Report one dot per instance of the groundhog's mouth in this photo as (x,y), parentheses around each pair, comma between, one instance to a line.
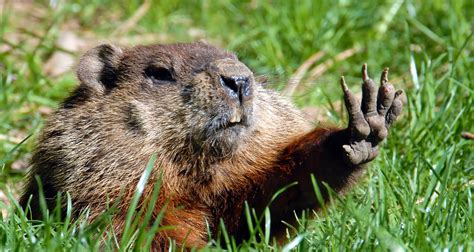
(221,136)
(230,121)
(226,124)
(233,125)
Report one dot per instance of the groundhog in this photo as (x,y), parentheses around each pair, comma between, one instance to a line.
(220,140)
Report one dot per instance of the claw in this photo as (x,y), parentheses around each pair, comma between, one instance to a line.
(359,126)
(398,93)
(359,152)
(349,151)
(351,156)
(384,77)
(369,94)
(386,94)
(343,84)
(396,108)
(365,76)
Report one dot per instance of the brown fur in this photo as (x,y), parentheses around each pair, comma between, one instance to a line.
(101,138)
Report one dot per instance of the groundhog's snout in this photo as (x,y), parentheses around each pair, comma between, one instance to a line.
(237,87)
(235,78)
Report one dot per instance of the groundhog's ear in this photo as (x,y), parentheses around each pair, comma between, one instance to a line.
(97,68)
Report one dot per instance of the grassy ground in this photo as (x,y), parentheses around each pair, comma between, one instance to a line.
(416,196)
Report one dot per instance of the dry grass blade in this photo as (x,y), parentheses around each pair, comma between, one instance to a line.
(11,139)
(317,71)
(62,60)
(467,135)
(322,68)
(133,20)
(296,78)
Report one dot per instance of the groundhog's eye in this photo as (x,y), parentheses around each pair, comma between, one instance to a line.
(159,74)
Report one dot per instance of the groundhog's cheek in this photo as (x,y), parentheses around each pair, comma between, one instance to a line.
(207,106)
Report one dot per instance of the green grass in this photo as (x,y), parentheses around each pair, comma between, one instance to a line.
(417,195)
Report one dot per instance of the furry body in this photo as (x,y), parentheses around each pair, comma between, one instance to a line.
(220,138)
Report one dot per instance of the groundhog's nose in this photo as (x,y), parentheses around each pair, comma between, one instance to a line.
(235,78)
(237,87)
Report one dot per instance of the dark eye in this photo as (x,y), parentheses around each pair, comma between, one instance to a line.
(159,74)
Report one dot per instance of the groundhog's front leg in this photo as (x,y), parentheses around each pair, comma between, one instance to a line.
(334,156)
(369,121)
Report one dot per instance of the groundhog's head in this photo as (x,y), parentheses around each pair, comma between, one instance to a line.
(190,96)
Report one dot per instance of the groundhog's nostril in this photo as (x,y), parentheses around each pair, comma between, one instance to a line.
(237,87)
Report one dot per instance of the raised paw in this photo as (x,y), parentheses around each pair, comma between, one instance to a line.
(370,119)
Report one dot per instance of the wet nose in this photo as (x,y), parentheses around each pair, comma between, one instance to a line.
(236,80)
(237,87)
